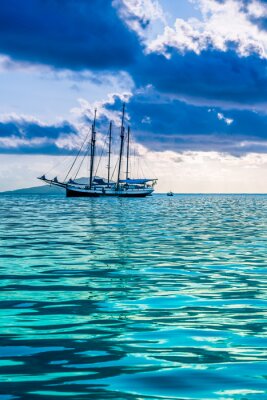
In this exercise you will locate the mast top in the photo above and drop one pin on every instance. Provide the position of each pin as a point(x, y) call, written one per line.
point(94, 122)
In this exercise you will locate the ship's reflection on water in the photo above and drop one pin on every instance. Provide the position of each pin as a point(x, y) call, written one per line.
point(133, 299)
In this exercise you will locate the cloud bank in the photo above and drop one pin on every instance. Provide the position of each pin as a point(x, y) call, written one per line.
point(199, 85)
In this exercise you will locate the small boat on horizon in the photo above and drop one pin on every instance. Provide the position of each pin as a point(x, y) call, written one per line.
point(170, 193)
point(98, 186)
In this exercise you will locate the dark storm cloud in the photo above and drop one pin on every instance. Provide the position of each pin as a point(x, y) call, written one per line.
point(156, 122)
point(27, 137)
point(75, 34)
point(212, 76)
point(28, 129)
point(89, 35)
point(82, 34)
point(161, 124)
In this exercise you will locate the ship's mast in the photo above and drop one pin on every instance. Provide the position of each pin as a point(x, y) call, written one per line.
point(128, 149)
point(121, 146)
point(109, 150)
point(92, 152)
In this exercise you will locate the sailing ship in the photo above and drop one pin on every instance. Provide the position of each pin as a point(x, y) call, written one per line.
point(98, 186)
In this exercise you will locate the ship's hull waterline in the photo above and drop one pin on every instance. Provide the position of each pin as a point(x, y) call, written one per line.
point(76, 193)
point(72, 191)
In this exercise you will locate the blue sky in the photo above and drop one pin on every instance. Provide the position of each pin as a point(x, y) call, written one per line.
point(193, 73)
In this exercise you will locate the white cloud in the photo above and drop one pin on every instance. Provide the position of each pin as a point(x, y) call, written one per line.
point(146, 120)
point(228, 121)
point(88, 108)
point(222, 23)
point(139, 13)
point(256, 9)
point(208, 172)
point(20, 118)
point(14, 142)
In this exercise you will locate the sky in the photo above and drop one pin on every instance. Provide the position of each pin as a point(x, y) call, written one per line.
point(192, 73)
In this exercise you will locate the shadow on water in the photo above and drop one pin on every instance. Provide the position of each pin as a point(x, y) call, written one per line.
point(133, 299)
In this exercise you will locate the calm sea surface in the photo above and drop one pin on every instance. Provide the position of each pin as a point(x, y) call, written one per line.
point(157, 298)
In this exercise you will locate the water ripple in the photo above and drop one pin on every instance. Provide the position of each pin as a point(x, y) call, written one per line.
point(133, 299)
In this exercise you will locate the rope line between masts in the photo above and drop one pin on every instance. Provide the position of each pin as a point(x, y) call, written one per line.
point(102, 151)
point(72, 165)
point(81, 163)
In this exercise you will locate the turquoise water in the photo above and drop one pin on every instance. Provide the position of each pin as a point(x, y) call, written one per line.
point(156, 298)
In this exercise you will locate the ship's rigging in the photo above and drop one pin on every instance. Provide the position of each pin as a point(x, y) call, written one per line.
point(98, 186)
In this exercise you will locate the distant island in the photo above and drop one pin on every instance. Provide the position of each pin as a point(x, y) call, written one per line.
point(44, 189)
